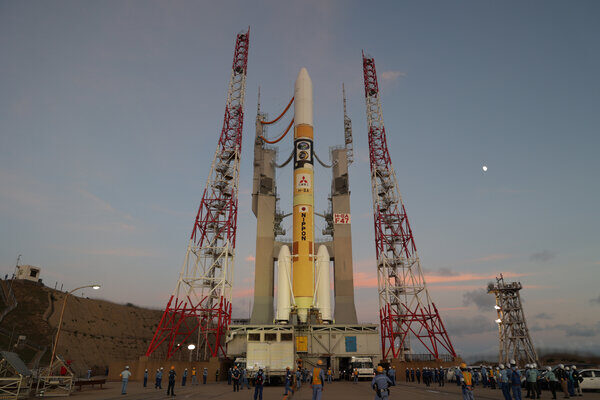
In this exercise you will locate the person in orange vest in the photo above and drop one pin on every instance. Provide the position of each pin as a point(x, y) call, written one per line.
point(466, 380)
point(355, 375)
point(318, 378)
point(329, 375)
point(194, 377)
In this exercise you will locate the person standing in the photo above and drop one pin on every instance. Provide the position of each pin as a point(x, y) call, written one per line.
point(158, 377)
point(407, 375)
point(194, 377)
point(532, 377)
point(289, 379)
point(204, 375)
point(217, 375)
point(245, 378)
point(184, 377)
point(171, 386)
point(515, 380)
point(466, 380)
point(412, 375)
point(442, 378)
point(318, 378)
point(125, 374)
point(577, 379)
point(355, 375)
point(89, 373)
point(259, 382)
point(504, 382)
point(418, 375)
point(390, 374)
point(298, 379)
point(552, 381)
point(381, 384)
point(562, 377)
point(145, 377)
point(329, 375)
point(570, 385)
point(235, 377)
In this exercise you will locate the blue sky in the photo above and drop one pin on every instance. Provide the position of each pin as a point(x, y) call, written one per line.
point(110, 113)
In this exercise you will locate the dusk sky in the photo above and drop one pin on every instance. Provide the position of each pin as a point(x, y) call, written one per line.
point(110, 113)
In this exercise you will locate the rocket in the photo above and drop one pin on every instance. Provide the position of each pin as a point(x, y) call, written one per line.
point(303, 254)
point(296, 271)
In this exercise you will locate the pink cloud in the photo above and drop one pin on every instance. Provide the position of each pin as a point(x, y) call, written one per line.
point(468, 277)
point(365, 280)
point(241, 293)
point(369, 279)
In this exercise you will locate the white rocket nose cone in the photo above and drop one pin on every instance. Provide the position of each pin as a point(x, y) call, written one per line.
point(303, 99)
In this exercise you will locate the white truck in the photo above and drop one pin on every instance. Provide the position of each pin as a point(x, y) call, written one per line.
point(272, 350)
point(364, 365)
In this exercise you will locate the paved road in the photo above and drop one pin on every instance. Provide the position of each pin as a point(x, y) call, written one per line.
point(334, 391)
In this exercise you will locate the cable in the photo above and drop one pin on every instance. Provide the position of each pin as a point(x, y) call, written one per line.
point(280, 137)
point(321, 162)
point(282, 114)
point(286, 162)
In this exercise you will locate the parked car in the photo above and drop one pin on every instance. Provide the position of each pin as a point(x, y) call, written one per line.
point(591, 379)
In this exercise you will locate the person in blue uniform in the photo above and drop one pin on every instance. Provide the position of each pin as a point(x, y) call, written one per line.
point(318, 380)
point(381, 384)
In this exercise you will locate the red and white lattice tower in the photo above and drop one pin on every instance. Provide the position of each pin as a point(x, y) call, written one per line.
point(201, 301)
point(405, 307)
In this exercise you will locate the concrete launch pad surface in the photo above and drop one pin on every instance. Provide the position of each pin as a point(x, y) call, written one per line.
point(337, 390)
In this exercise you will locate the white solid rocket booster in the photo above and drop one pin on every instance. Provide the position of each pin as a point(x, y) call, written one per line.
point(323, 289)
point(284, 292)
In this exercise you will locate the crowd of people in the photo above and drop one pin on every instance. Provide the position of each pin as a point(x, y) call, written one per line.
point(511, 380)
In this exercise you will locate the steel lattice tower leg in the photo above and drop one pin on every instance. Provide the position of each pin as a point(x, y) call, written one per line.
point(201, 301)
point(405, 307)
point(514, 339)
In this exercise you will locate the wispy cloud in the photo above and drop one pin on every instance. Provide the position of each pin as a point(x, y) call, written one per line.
point(542, 256)
point(479, 298)
point(391, 76)
point(492, 257)
point(543, 316)
point(465, 277)
point(121, 252)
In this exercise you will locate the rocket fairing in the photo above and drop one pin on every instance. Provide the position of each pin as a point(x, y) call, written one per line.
point(303, 255)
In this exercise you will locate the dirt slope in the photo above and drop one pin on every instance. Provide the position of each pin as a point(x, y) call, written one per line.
point(94, 332)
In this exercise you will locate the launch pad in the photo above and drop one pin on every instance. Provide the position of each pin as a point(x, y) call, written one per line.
point(300, 327)
point(312, 310)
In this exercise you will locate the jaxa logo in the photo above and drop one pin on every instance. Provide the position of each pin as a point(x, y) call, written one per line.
point(303, 153)
point(303, 182)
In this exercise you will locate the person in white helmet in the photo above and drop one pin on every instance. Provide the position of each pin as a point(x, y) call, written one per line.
point(570, 388)
point(504, 382)
point(562, 377)
point(515, 380)
point(577, 379)
point(552, 381)
point(531, 375)
point(125, 374)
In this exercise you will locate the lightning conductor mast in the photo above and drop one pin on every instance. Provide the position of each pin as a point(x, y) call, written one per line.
point(303, 195)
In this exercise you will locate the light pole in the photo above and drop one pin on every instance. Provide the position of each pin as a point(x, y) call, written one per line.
point(191, 348)
point(95, 287)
